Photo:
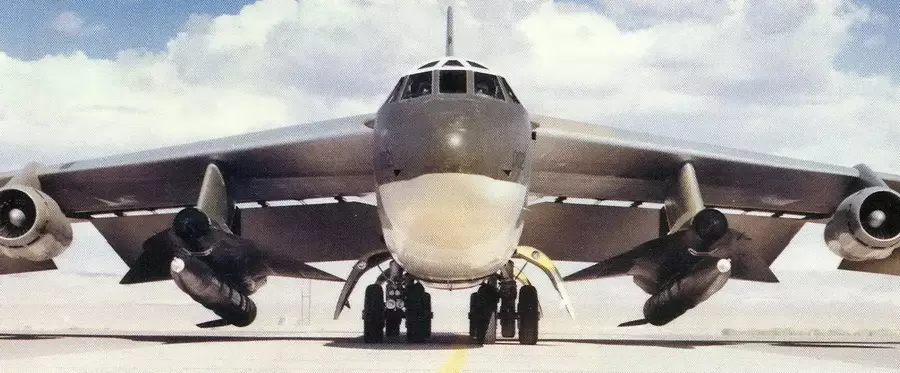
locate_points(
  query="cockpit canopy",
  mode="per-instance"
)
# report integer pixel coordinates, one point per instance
(452, 76)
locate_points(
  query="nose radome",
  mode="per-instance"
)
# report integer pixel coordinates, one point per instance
(452, 226)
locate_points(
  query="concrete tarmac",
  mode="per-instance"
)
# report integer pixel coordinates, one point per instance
(234, 351)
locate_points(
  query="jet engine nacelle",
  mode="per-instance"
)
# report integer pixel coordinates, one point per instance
(32, 226)
(866, 225)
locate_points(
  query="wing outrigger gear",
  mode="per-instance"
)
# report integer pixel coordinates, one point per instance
(520, 275)
(542, 261)
(360, 268)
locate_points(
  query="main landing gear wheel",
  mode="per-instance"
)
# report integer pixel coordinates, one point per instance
(373, 314)
(483, 315)
(508, 327)
(430, 316)
(529, 314)
(392, 319)
(418, 314)
(507, 314)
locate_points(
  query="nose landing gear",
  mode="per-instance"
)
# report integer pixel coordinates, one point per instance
(405, 298)
(529, 314)
(483, 314)
(373, 314)
(484, 317)
(418, 314)
(507, 314)
(396, 295)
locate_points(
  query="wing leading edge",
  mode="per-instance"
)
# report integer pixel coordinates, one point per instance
(577, 159)
(321, 159)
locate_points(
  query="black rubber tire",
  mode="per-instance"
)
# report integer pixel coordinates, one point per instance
(490, 334)
(429, 314)
(507, 315)
(417, 320)
(508, 328)
(476, 305)
(373, 314)
(529, 315)
(392, 321)
(474, 301)
(482, 319)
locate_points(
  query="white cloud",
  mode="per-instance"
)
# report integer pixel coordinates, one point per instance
(69, 23)
(72, 24)
(756, 75)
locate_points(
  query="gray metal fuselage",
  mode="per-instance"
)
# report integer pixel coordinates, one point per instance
(452, 173)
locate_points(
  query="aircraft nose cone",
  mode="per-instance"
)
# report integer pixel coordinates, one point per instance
(17, 218)
(877, 218)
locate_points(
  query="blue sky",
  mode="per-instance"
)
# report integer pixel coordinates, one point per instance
(876, 43)
(27, 26)
(30, 29)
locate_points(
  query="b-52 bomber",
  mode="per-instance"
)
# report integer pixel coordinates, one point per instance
(449, 182)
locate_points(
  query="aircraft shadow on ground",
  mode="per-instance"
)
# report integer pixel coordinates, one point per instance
(835, 345)
(444, 341)
(438, 341)
(646, 342)
(166, 339)
(691, 344)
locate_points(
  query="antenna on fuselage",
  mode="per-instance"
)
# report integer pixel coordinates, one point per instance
(449, 51)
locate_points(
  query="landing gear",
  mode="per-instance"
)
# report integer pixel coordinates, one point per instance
(418, 314)
(507, 292)
(392, 320)
(396, 288)
(529, 314)
(484, 317)
(405, 298)
(483, 314)
(373, 314)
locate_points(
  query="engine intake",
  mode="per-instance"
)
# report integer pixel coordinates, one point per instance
(32, 226)
(866, 225)
(710, 225)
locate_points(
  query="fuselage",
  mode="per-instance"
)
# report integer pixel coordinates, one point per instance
(453, 154)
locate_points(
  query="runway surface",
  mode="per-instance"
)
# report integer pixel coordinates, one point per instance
(345, 352)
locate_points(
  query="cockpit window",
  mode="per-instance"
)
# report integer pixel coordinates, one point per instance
(512, 95)
(395, 93)
(453, 81)
(417, 85)
(489, 85)
(453, 63)
(476, 64)
(430, 64)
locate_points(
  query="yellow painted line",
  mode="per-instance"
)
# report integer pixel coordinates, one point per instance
(457, 358)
